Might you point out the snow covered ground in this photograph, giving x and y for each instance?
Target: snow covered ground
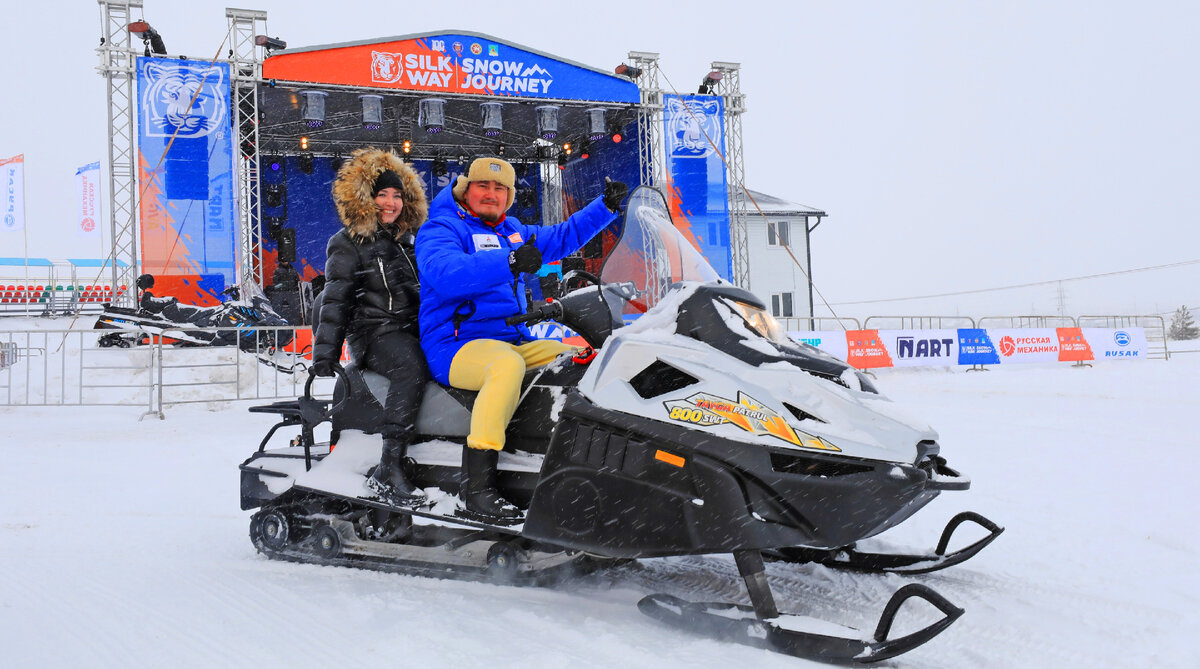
(122, 545)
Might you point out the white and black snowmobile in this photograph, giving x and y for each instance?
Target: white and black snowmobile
(245, 318)
(698, 428)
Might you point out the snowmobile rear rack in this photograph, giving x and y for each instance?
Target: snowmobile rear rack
(762, 626)
(851, 559)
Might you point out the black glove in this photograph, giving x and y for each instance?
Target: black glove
(324, 367)
(614, 193)
(526, 258)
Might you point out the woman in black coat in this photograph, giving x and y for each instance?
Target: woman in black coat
(371, 298)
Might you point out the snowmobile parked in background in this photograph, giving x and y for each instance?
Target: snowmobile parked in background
(246, 319)
(698, 428)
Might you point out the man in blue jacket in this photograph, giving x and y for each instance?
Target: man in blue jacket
(471, 257)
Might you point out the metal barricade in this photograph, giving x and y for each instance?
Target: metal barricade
(1154, 327)
(918, 322)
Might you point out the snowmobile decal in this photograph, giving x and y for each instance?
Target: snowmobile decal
(747, 413)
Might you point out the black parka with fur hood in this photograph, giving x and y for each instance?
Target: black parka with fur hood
(371, 283)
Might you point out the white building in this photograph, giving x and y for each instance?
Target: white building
(780, 259)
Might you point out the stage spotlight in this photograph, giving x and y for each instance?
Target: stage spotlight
(562, 161)
(406, 147)
(372, 111)
(337, 161)
(709, 85)
(275, 165)
(306, 162)
(500, 150)
(312, 108)
(547, 121)
(614, 130)
(596, 125)
(585, 149)
(628, 71)
(270, 43)
(275, 195)
(438, 167)
(431, 114)
(546, 152)
(493, 122)
(567, 148)
(303, 143)
(150, 37)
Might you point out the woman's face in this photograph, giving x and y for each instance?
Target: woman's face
(390, 205)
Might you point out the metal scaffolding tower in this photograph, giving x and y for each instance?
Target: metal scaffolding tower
(118, 67)
(246, 71)
(650, 142)
(729, 88)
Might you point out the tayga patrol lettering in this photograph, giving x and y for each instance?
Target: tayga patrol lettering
(747, 413)
(504, 76)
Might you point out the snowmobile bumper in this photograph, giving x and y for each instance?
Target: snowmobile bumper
(627, 486)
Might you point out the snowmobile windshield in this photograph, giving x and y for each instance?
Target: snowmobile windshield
(652, 253)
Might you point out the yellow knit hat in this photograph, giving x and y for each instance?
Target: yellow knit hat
(488, 169)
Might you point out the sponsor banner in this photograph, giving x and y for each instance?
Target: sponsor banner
(866, 349)
(697, 190)
(12, 174)
(451, 63)
(832, 342)
(186, 181)
(975, 347)
(1026, 345)
(921, 348)
(1072, 346)
(1117, 344)
(87, 190)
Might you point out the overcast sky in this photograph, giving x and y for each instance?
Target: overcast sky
(956, 145)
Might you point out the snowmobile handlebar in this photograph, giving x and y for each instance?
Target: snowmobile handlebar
(548, 311)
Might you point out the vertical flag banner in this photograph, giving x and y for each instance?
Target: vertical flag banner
(697, 186)
(185, 176)
(87, 189)
(12, 173)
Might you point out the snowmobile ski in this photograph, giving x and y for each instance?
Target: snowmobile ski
(852, 559)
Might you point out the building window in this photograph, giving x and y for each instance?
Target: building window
(781, 305)
(778, 233)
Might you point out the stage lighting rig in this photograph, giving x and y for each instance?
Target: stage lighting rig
(270, 43)
(628, 71)
(372, 111)
(150, 37)
(306, 162)
(547, 121)
(312, 108)
(438, 167)
(585, 149)
(614, 131)
(596, 125)
(406, 146)
(493, 121)
(431, 114)
(709, 85)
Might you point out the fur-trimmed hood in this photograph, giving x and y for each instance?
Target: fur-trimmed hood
(356, 204)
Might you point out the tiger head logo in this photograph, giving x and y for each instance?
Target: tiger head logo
(386, 68)
(691, 126)
(184, 100)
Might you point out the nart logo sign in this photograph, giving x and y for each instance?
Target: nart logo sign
(911, 347)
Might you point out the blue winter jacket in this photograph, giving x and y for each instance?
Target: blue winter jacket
(467, 288)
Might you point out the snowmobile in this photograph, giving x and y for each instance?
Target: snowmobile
(245, 318)
(697, 428)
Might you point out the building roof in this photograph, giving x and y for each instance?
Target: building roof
(778, 206)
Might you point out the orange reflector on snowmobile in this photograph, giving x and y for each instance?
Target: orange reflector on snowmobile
(669, 458)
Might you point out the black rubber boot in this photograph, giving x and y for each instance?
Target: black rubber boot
(388, 479)
(480, 496)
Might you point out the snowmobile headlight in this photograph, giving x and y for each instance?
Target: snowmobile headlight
(761, 321)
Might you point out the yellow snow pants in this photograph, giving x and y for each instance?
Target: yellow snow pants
(496, 369)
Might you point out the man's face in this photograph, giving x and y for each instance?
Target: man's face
(488, 199)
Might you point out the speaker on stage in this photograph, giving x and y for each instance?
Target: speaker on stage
(286, 238)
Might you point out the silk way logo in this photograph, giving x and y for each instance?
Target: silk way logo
(692, 128)
(1007, 346)
(1122, 338)
(183, 100)
(386, 68)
